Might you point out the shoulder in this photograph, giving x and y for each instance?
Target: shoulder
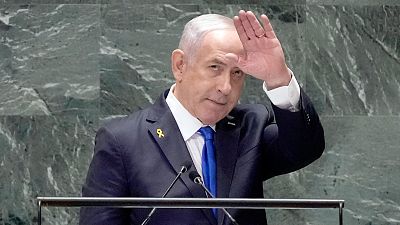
(119, 125)
(137, 121)
(246, 112)
(249, 116)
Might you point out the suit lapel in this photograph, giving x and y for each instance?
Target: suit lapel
(172, 145)
(166, 133)
(226, 143)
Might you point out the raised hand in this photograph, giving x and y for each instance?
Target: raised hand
(263, 57)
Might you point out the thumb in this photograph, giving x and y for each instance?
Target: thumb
(236, 60)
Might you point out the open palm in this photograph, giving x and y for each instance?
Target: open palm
(263, 57)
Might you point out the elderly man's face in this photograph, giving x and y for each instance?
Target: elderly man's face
(210, 86)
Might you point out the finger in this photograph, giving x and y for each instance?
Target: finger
(258, 30)
(240, 30)
(246, 24)
(269, 31)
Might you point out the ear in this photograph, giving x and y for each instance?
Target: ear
(177, 64)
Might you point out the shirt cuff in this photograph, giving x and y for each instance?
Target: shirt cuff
(285, 97)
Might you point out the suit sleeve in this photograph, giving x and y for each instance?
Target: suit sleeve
(294, 141)
(106, 178)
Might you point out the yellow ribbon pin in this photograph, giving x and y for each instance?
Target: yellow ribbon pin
(160, 133)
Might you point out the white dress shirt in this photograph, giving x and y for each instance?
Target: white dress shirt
(286, 97)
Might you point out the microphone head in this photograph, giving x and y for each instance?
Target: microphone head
(186, 166)
(193, 175)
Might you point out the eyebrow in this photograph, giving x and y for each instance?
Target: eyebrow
(217, 61)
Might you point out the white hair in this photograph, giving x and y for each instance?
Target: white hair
(197, 28)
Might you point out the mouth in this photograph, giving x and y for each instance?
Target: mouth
(218, 102)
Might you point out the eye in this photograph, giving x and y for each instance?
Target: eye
(237, 74)
(214, 67)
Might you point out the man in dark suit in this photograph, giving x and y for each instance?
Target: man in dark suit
(139, 155)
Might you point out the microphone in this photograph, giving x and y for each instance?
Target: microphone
(185, 167)
(196, 178)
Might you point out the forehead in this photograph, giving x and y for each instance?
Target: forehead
(221, 42)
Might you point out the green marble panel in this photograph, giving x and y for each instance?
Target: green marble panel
(36, 2)
(137, 41)
(353, 59)
(135, 48)
(205, 2)
(43, 156)
(49, 59)
(360, 165)
(257, 2)
(353, 2)
(138, 2)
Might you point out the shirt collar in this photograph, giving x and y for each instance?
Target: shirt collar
(187, 123)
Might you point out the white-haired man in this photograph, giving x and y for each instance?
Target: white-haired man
(233, 147)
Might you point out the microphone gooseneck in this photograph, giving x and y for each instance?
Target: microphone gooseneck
(196, 178)
(193, 175)
(184, 168)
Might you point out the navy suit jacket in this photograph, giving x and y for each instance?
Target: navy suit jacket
(252, 144)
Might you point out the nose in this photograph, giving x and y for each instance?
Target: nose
(224, 84)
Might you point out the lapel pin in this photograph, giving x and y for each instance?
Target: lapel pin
(230, 123)
(160, 133)
(229, 117)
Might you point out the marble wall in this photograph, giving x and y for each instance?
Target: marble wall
(68, 65)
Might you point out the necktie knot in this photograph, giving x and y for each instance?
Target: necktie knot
(207, 132)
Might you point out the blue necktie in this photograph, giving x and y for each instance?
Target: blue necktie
(208, 163)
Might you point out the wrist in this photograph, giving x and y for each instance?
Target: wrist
(282, 79)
